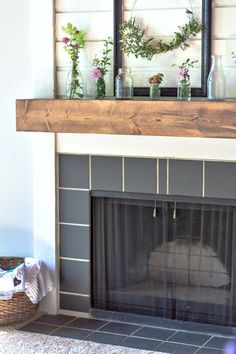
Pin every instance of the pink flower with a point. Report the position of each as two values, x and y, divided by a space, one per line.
182 72
65 40
235 61
96 73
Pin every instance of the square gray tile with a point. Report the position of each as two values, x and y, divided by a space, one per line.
190 338
106 338
106 173
140 175
217 342
140 343
185 178
120 328
58 320
154 333
74 171
220 179
176 348
75 241
75 303
87 323
74 276
162 176
74 333
74 207
39 328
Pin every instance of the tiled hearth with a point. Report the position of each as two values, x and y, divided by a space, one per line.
79 175
129 335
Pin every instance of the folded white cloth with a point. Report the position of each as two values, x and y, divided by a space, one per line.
33 277
11 281
39 280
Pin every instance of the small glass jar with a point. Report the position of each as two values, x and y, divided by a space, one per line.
100 88
154 92
124 84
184 89
216 86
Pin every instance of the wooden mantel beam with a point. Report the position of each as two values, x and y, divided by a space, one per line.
200 118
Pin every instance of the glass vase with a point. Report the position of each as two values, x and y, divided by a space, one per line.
184 89
216 85
124 84
100 88
74 83
154 92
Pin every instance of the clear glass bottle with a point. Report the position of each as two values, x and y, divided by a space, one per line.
216 85
124 84
74 82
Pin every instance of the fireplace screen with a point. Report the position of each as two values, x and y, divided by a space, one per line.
169 259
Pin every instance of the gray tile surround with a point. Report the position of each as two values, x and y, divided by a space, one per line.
220 180
185 178
74 276
75 302
75 241
162 176
74 171
74 206
140 175
106 173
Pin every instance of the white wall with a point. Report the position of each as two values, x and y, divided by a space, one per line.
16 182
27 161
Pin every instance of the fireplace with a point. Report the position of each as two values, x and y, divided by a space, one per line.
165 257
165 220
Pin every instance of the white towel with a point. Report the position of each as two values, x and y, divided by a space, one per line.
39 280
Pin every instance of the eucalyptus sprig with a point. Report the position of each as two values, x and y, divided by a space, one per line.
133 38
105 60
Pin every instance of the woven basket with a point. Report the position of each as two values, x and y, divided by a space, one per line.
19 308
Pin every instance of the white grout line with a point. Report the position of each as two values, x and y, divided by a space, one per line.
75 259
72 224
90 172
157 176
203 178
123 174
74 189
167 176
74 294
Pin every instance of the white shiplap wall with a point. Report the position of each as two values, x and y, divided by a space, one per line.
162 17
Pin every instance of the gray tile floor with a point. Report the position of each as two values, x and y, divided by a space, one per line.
129 335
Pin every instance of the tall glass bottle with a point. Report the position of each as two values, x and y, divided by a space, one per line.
216 86
124 84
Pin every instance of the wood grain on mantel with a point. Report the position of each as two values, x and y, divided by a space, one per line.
216 119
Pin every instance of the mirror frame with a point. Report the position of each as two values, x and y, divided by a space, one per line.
205 51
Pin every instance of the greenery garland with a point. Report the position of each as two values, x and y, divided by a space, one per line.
133 41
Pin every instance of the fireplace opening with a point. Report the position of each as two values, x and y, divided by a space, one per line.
166 258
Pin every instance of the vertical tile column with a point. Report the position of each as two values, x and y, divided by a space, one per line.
74 232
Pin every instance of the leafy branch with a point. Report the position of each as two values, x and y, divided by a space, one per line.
105 60
133 38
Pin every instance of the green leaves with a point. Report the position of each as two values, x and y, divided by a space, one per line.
75 40
133 41
105 60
